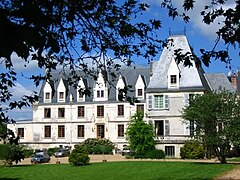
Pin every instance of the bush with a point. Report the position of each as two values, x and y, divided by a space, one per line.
152 154
192 150
11 153
51 151
79 156
28 153
98 146
155 154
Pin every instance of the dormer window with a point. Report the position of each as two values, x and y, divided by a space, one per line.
61 96
81 90
47 97
100 93
139 87
80 95
140 92
173 79
173 75
100 89
61 91
47 93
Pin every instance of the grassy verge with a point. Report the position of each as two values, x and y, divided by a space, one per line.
117 170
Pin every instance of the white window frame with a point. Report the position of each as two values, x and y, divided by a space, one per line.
158 104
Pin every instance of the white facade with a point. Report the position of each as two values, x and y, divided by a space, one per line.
64 116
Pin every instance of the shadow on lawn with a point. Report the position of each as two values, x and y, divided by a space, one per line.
9 178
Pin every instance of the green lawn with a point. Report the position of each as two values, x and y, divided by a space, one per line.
116 170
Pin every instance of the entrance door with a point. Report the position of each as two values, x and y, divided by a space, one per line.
100 131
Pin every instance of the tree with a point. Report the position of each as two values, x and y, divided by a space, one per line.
214 12
79 156
216 116
139 134
68 34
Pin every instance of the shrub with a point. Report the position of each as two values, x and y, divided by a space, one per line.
192 150
155 154
152 154
79 156
11 153
51 151
98 146
28 153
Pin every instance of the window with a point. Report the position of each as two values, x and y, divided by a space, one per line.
80 111
162 127
100 131
47 131
20 132
47 112
140 108
120 130
100 111
61 112
100 93
158 102
159 129
61 95
80 94
47 96
139 92
61 131
173 79
80 131
120 110
170 151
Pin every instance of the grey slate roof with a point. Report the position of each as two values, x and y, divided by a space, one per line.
154 77
130 76
219 82
190 77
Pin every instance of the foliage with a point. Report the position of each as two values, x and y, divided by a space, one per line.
10 150
213 12
27 152
79 156
152 154
98 146
119 170
155 154
10 153
68 34
139 134
51 151
192 150
217 118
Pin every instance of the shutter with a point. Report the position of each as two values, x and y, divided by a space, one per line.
166 102
186 99
167 128
150 102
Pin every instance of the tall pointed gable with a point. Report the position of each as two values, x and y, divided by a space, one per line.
189 77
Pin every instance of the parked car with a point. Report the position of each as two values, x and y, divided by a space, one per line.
40 158
127 151
62 153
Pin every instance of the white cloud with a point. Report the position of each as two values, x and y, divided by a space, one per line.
195 16
19 90
20 64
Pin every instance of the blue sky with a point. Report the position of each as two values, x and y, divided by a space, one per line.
199 36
